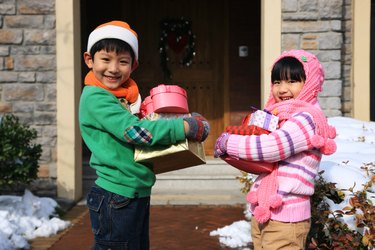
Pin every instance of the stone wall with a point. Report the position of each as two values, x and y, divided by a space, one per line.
28 70
323 27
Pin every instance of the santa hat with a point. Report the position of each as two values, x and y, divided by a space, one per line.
117 30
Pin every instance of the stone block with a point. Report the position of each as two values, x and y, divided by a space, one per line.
9 63
24 21
332 70
332 88
8 76
10 36
35 62
7 8
23 92
36 7
26 77
5 107
330 40
42 37
305 26
331 9
290 41
308 5
289 5
336 25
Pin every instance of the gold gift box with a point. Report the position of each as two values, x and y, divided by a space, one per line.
169 158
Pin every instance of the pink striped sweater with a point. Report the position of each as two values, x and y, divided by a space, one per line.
298 163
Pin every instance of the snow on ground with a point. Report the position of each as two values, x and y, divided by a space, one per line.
26 217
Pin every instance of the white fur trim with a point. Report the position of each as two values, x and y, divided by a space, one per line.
135 107
113 31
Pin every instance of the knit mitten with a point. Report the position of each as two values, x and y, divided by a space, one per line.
221 145
198 127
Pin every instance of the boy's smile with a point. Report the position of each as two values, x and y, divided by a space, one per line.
285 90
110 68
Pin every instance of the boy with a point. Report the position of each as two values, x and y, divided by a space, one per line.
119 202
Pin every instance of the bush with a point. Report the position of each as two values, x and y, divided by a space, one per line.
19 156
328 230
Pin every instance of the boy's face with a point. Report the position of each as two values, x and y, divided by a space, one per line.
284 90
110 68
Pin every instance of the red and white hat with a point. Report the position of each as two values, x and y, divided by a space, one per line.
117 30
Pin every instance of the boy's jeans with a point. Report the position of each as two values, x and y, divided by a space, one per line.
118 222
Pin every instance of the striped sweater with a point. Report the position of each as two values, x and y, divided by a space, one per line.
298 163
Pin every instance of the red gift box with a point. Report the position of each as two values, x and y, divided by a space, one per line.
253 167
246 130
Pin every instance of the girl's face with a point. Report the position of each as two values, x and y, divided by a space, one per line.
283 90
110 68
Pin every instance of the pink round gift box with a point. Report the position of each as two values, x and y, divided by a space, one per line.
169 99
147 106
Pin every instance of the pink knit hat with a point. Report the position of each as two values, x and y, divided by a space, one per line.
118 30
314 76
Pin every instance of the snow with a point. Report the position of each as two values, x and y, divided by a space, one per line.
26 217
346 167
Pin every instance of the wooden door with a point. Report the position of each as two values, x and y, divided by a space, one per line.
204 78
220 85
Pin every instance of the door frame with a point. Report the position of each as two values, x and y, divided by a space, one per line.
68 80
68 91
361 59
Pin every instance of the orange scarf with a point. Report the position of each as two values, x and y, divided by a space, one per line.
128 90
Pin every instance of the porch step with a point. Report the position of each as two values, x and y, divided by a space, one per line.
214 183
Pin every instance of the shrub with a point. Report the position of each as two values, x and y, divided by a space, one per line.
328 230
19 156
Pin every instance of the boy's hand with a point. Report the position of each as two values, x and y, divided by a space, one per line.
198 127
221 145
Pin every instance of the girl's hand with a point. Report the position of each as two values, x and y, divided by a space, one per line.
221 145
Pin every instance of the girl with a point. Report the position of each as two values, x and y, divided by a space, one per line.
280 200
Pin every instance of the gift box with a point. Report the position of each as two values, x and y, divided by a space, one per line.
252 167
181 155
169 158
264 120
169 99
146 106
246 130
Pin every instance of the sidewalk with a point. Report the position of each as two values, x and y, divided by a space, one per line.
172 227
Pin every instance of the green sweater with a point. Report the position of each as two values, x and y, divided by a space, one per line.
103 122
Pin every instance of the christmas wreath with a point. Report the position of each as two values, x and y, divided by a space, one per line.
177 35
